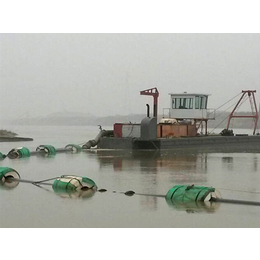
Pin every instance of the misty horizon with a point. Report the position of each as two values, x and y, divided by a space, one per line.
103 74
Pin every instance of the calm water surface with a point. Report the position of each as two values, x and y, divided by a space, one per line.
144 172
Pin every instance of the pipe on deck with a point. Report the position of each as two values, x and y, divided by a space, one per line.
94 142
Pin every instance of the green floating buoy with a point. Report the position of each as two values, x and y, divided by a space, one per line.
73 183
74 147
6 174
74 186
48 149
20 152
189 193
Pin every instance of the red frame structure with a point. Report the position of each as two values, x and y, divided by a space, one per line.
155 93
251 94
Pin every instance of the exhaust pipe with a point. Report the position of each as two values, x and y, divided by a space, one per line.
148 110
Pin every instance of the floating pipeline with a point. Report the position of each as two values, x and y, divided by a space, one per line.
188 193
7 176
73 183
68 186
94 142
188 197
20 152
49 150
2 156
46 150
74 147
192 199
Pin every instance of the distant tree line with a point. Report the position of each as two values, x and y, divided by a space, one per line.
89 120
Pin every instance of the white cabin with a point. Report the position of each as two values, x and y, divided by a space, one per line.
189 106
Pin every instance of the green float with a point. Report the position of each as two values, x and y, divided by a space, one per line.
20 152
48 149
74 147
24 152
189 193
2 156
6 175
70 183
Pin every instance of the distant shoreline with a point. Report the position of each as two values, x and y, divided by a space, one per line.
14 139
75 119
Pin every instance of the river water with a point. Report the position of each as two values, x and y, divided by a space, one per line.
235 175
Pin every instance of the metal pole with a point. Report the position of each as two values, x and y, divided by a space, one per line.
242 202
256 113
231 114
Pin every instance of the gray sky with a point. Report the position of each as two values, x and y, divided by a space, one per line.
102 74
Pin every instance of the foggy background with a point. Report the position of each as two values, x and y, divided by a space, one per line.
102 74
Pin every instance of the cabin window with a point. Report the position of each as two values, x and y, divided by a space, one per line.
182 103
200 102
191 103
197 102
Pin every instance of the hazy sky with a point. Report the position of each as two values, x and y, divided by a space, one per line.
102 74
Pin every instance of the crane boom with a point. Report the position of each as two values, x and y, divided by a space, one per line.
155 93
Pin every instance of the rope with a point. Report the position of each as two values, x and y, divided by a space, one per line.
43 182
54 178
228 115
28 181
225 103
255 192
219 124
242 202
226 109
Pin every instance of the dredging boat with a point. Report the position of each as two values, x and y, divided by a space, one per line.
179 127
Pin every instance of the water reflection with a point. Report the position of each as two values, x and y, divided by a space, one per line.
153 168
80 194
228 162
195 206
193 164
149 202
255 164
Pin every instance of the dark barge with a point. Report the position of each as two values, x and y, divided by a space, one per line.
178 129
241 143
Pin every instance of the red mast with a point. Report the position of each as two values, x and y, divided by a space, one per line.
251 96
155 93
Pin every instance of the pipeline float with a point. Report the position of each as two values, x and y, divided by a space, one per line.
43 150
69 186
9 178
184 197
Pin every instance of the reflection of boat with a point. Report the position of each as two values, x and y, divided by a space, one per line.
188 114
194 163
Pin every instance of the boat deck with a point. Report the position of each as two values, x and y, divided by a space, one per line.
235 142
